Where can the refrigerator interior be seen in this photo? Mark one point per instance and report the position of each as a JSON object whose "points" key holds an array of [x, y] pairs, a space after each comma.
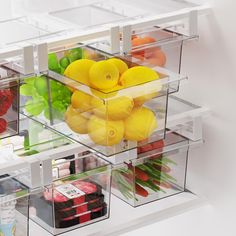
{"points": [[211, 158]]}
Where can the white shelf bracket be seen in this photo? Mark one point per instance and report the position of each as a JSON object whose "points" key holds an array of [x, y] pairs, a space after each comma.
{"points": [[193, 23], [42, 53], [127, 38], [115, 39], [47, 177], [28, 60], [35, 173]]}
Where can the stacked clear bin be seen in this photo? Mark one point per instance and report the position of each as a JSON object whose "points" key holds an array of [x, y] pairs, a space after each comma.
{"points": [[14, 203], [158, 47], [9, 102], [159, 171], [109, 121], [78, 195]]}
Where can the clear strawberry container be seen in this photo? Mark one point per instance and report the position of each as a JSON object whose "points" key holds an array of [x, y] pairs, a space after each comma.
{"points": [[107, 103], [9, 102]]}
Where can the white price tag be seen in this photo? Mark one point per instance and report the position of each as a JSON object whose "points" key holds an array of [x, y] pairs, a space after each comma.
{"points": [[70, 191]]}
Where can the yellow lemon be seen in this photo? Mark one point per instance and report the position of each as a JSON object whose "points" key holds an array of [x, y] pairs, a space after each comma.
{"points": [[121, 65], [140, 124], [114, 109], [81, 101], [103, 75], [105, 132], [139, 101], [138, 75], [106, 93], [78, 122], [79, 70]]}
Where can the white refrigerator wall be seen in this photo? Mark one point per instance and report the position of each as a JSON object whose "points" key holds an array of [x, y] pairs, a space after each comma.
{"points": [[211, 66]]}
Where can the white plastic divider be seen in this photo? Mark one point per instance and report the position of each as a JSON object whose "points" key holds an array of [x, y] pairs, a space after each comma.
{"points": [[45, 159], [74, 38], [124, 218]]}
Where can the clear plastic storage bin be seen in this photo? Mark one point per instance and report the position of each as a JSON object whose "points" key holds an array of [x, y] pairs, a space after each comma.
{"points": [[78, 195], [113, 112], [14, 205], [158, 47], [9, 102], [158, 172]]}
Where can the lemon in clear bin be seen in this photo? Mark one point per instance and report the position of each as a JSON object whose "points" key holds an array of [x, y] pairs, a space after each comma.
{"points": [[115, 109], [78, 122], [121, 65], [103, 75], [138, 75], [106, 93], [81, 101], [139, 101], [79, 70], [148, 92], [105, 132], [140, 124]]}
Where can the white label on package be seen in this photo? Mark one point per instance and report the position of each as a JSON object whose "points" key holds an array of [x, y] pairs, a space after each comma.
{"points": [[70, 191]]}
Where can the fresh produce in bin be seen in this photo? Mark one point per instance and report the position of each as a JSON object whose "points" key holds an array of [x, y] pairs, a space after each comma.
{"points": [[151, 176], [8, 102], [159, 171], [42, 94], [101, 101], [154, 55]]}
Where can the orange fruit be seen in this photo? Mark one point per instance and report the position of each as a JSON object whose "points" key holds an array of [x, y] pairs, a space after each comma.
{"points": [[148, 39], [158, 58]]}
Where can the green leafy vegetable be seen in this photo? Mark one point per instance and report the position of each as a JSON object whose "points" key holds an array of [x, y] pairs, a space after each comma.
{"points": [[27, 90], [34, 107]]}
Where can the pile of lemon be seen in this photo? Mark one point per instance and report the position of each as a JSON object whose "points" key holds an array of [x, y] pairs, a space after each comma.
{"points": [[108, 121]]}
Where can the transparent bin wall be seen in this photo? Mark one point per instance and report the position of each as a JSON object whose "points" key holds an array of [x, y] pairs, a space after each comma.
{"points": [[158, 172], [108, 121], [9, 102], [26, 29], [158, 47], [33, 138], [78, 196], [14, 207]]}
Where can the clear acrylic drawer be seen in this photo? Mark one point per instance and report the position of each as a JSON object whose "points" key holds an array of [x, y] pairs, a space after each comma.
{"points": [[158, 172], [112, 113], [78, 195]]}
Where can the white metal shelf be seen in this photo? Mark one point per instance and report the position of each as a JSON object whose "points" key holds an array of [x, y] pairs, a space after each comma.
{"points": [[124, 218], [56, 29]]}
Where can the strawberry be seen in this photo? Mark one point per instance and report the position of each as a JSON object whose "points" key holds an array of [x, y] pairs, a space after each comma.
{"points": [[6, 100], [3, 125]]}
